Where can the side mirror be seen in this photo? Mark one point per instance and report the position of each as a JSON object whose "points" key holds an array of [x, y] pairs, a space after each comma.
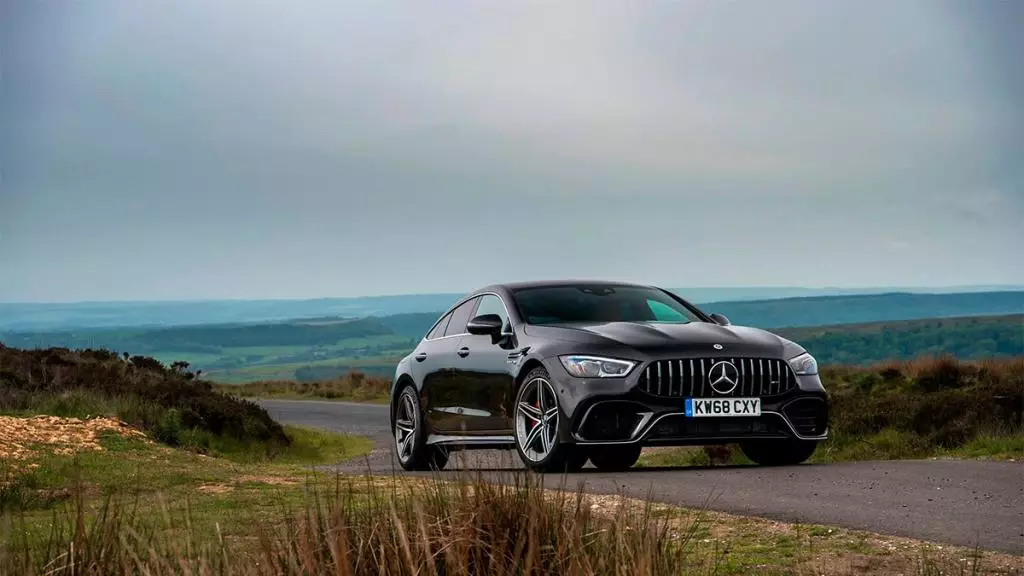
{"points": [[722, 320], [485, 325]]}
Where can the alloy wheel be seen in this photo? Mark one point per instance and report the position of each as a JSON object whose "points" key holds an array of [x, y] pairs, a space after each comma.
{"points": [[537, 419], [405, 427]]}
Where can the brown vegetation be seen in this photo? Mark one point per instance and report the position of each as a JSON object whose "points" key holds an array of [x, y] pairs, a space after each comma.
{"points": [[942, 403], [355, 386], [468, 527], [169, 403]]}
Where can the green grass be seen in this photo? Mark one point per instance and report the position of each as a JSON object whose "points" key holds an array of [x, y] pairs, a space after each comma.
{"points": [[314, 446], [134, 466]]}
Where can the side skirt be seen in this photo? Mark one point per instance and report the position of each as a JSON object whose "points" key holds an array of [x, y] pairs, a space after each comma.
{"points": [[472, 442]]}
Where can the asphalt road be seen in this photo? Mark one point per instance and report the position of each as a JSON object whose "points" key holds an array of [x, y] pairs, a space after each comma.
{"points": [[966, 503]]}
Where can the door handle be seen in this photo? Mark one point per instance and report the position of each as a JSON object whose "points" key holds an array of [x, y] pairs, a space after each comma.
{"points": [[421, 356], [463, 352]]}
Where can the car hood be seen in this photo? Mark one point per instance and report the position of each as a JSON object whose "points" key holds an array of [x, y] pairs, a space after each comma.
{"points": [[693, 339]]}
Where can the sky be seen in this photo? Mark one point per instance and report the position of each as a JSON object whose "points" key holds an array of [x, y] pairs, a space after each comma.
{"points": [[255, 149]]}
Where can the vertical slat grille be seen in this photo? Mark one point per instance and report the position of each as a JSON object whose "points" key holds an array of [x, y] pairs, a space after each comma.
{"points": [[691, 378]]}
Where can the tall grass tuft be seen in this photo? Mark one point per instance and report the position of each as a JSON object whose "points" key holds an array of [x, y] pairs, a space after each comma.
{"points": [[363, 526]]}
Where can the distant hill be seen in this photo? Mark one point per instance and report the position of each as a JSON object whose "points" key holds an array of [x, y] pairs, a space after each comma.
{"points": [[858, 309], [73, 316], [967, 338], [843, 329]]}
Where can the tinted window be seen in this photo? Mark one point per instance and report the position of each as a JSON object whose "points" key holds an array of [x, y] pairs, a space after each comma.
{"points": [[665, 313], [460, 316], [600, 303], [491, 304], [438, 330]]}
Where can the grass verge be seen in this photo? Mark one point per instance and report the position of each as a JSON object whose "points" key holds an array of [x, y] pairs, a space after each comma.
{"points": [[120, 462], [228, 522]]}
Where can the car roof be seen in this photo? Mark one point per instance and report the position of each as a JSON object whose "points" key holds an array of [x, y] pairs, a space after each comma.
{"points": [[512, 286]]}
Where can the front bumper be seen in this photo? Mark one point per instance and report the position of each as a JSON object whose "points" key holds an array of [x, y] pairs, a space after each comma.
{"points": [[612, 411]]}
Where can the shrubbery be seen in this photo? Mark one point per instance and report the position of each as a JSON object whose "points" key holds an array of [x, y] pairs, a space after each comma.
{"points": [[355, 385], [945, 402], [169, 403]]}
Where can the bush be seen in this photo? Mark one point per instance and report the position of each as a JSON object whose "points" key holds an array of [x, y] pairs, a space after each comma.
{"points": [[355, 385], [169, 404], [932, 404]]}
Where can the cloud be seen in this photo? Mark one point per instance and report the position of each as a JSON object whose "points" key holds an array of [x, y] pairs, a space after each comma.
{"points": [[249, 142]]}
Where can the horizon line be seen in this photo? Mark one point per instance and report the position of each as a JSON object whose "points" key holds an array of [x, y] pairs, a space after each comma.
{"points": [[881, 289]]}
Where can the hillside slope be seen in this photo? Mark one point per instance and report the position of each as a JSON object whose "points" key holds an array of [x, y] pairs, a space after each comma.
{"points": [[322, 348]]}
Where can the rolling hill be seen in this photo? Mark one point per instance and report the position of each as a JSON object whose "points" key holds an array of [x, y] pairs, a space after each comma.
{"points": [[839, 329], [40, 317]]}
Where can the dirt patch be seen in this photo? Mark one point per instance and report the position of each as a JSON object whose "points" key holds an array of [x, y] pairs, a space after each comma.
{"points": [[22, 438], [214, 488], [273, 480]]}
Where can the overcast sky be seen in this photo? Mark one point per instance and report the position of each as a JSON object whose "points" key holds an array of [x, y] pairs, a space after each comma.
{"points": [[247, 149]]}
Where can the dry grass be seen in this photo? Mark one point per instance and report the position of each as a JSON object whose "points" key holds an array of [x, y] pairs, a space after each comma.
{"points": [[425, 526], [354, 386]]}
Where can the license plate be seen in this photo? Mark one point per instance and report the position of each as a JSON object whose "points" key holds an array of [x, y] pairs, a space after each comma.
{"points": [[716, 407]]}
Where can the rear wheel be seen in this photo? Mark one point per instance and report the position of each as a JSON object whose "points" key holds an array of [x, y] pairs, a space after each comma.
{"points": [[410, 435], [779, 452], [615, 458], [536, 427]]}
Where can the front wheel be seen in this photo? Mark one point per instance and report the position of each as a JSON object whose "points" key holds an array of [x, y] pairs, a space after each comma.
{"points": [[536, 427], [779, 452]]}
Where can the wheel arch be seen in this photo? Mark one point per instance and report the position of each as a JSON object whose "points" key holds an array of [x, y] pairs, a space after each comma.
{"points": [[529, 366], [400, 384]]}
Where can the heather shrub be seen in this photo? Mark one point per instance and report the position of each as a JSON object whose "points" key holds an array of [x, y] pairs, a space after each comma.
{"points": [[171, 404]]}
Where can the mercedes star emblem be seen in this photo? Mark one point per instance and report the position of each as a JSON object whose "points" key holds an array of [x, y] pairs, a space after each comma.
{"points": [[723, 376]]}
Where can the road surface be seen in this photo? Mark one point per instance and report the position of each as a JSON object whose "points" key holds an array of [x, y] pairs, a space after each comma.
{"points": [[966, 503]]}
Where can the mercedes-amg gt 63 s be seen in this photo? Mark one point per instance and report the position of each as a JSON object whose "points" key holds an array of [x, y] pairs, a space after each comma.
{"points": [[565, 372]]}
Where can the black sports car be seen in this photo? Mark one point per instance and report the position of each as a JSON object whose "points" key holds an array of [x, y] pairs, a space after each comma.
{"points": [[569, 371]]}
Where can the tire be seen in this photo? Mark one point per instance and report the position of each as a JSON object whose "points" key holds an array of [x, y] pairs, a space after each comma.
{"points": [[409, 432], [779, 452], [535, 427], [616, 458]]}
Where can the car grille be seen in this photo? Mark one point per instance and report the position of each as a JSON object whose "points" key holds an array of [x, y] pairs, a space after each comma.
{"points": [[690, 378]]}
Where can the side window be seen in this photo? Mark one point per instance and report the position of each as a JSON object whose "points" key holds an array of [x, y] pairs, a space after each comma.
{"points": [[460, 316], [664, 313], [439, 329], [491, 304]]}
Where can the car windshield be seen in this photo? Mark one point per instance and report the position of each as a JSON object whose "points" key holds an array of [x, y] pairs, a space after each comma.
{"points": [[600, 303]]}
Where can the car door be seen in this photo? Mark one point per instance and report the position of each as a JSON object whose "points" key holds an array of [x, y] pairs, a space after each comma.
{"points": [[482, 369], [446, 402], [428, 366]]}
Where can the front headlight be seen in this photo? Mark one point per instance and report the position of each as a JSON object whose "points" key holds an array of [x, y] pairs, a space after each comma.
{"points": [[596, 366], [804, 365]]}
